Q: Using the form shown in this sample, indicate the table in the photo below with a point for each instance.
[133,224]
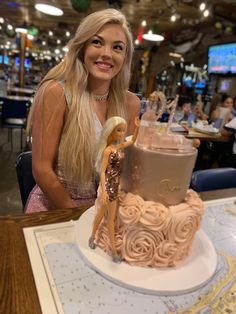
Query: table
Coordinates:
[208,137]
[20,91]
[19,97]
[18,293]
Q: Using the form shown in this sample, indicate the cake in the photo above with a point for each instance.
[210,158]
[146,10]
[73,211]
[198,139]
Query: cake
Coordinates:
[158,215]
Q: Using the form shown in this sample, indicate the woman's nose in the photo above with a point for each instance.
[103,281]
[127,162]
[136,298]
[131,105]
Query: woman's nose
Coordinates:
[107,51]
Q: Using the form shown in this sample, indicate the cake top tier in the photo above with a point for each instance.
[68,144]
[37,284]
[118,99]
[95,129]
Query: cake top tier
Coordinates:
[155,135]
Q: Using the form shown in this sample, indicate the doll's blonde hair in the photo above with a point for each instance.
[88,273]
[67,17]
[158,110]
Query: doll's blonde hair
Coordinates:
[107,130]
[76,149]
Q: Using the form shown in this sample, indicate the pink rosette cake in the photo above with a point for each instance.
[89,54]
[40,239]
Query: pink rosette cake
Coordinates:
[150,234]
[157,216]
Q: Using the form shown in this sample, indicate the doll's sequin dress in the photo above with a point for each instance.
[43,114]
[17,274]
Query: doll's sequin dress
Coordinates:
[113,173]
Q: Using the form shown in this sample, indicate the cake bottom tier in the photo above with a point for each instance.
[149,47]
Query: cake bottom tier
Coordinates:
[149,234]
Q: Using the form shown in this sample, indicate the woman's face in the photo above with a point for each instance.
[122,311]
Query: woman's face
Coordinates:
[105,52]
[228,103]
[118,134]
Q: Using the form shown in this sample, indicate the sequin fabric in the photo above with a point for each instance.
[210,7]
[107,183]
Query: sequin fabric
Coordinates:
[82,195]
[112,174]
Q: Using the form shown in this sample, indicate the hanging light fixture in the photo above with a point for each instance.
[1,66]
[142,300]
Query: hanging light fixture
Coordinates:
[48,9]
[152,36]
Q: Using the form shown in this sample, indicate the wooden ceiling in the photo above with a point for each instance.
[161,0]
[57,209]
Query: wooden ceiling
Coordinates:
[156,12]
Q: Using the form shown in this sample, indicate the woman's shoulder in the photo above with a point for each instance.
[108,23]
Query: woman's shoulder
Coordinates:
[54,87]
[132,103]
[132,98]
[51,92]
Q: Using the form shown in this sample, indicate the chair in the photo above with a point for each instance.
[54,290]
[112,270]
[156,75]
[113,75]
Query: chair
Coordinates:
[213,179]
[24,175]
[14,116]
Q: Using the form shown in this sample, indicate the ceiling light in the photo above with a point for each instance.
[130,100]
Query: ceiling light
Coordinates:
[175,55]
[206,13]
[202,6]
[21,30]
[65,49]
[48,9]
[144,23]
[153,37]
[173,18]
[10,27]
[30,37]
[1,20]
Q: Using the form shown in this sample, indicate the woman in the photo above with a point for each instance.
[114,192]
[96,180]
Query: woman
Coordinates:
[109,165]
[73,102]
[222,113]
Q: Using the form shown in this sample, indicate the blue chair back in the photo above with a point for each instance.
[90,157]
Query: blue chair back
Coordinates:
[24,173]
[12,110]
[213,179]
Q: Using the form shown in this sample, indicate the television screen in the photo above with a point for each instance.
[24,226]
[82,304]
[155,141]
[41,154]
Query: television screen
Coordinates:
[187,81]
[224,85]
[200,84]
[27,62]
[5,60]
[222,58]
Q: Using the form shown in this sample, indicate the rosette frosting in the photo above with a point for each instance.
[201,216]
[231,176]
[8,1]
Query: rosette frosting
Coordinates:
[151,234]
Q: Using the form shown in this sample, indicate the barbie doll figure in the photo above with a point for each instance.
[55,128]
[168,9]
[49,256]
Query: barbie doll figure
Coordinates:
[109,165]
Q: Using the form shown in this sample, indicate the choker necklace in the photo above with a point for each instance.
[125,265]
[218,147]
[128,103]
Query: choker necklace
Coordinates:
[100,97]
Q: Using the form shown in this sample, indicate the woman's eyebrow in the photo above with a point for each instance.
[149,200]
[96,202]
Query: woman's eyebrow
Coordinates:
[115,42]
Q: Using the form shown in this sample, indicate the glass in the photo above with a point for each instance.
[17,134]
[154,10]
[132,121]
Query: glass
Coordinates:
[178,115]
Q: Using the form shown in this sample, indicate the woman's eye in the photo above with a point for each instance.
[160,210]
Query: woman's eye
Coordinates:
[96,42]
[118,47]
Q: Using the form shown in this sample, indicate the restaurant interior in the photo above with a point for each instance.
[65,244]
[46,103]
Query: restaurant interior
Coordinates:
[177,46]
[185,49]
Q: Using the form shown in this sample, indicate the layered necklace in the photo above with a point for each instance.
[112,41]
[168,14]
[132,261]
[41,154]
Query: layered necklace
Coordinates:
[100,97]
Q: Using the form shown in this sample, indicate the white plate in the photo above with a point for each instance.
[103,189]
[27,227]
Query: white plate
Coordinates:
[194,272]
[206,131]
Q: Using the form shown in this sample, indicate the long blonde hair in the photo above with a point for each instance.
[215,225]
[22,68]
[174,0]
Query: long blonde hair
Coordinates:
[107,130]
[76,149]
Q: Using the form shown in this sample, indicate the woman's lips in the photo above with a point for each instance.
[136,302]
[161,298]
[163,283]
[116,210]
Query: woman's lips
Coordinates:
[104,65]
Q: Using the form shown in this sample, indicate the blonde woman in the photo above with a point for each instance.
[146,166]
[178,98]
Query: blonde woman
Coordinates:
[109,165]
[72,103]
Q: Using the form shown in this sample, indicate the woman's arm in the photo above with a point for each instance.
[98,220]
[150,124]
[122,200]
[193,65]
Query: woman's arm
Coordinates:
[47,124]
[133,111]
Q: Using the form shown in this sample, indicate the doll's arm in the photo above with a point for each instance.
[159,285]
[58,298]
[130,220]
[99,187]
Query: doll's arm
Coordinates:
[134,137]
[104,164]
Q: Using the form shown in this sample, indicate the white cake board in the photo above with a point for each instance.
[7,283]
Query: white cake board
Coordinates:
[193,273]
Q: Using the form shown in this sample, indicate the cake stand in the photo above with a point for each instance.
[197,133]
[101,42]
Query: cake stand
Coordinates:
[193,273]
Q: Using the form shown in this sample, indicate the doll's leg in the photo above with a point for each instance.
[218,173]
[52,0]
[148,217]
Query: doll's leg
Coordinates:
[97,220]
[111,230]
